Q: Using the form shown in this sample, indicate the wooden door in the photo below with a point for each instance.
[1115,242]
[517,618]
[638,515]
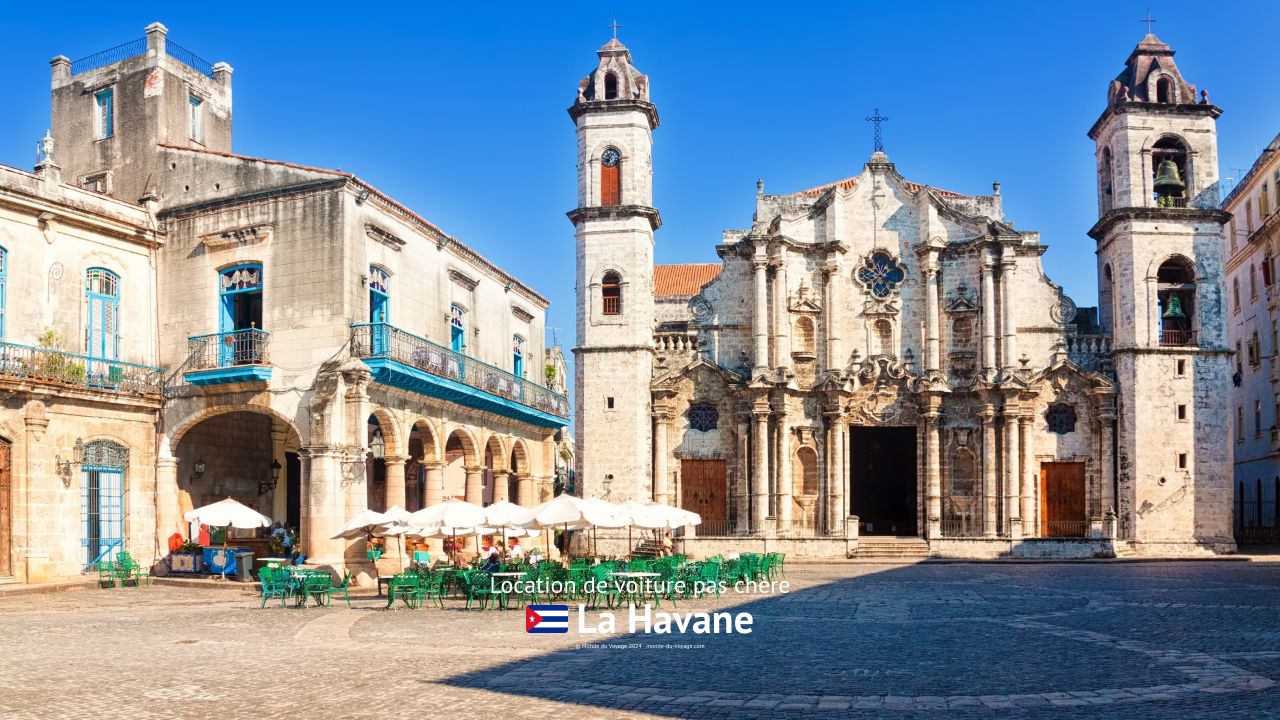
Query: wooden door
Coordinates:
[1062,500]
[6,511]
[704,489]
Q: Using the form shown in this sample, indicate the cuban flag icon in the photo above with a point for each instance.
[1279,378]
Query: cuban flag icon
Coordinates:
[546,619]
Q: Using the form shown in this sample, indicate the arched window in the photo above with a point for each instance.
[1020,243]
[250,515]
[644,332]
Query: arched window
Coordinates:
[610,177]
[610,86]
[517,356]
[457,328]
[102,330]
[804,336]
[379,294]
[1176,291]
[881,274]
[1107,175]
[611,293]
[883,331]
[1170,180]
[102,501]
[1164,90]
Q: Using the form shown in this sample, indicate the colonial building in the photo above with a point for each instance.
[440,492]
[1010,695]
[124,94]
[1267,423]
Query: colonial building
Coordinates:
[77,370]
[1253,241]
[876,356]
[326,348]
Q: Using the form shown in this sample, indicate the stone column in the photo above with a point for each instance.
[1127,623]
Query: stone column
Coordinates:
[394,481]
[1008,266]
[932,359]
[760,319]
[1106,468]
[1013,490]
[742,481]
[434,490]
[525,491]
[280,495]
[501,485]
[661,476]
[473,491]
[759,470]
[830,308]
[989,497]
[783,482]
[781,315]
[989,364]
[1029,483]
[28,500]
[933,470]
[168,519]
[323,505]
[837,511]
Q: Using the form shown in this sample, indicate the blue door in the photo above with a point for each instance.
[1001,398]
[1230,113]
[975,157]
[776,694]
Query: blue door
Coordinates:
[379,309]
[102,327]
[240,319]
[102,502]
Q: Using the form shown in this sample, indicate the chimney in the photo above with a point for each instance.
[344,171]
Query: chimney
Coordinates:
[156,33]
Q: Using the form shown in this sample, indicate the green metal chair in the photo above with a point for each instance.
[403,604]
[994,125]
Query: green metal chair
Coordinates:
[478,587]
[408,586]
[273,585]
[107,573]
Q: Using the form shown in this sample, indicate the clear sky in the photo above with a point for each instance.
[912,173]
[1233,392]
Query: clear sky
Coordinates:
[458,109]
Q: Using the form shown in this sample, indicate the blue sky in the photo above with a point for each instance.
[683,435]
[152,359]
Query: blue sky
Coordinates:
[458,109]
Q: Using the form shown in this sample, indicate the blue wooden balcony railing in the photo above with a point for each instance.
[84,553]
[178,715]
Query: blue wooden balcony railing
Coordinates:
[384,342]
[229,349]
[55,366]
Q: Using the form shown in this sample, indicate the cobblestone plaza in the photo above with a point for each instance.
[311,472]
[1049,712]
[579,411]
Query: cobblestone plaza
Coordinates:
[1133,640]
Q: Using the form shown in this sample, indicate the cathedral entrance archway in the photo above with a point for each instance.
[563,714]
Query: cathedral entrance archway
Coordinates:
[882,479]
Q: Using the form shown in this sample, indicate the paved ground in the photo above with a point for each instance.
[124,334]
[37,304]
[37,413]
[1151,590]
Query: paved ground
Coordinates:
[1165,640]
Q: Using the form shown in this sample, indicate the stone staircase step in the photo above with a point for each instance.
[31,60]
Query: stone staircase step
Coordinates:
[892,548]
[8,580]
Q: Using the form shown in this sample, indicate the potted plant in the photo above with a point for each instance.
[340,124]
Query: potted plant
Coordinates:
[187,558]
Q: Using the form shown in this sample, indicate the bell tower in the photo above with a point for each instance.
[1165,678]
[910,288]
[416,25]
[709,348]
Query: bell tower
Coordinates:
[1161,295]
[614,223]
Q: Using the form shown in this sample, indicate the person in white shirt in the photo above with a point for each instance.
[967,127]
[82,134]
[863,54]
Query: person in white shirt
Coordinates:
[515,552]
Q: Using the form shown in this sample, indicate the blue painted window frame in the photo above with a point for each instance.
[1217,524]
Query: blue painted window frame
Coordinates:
[379,307]
[196,118]
[102,503]
[517,356]
[102,326]
[457,328]
[104,105]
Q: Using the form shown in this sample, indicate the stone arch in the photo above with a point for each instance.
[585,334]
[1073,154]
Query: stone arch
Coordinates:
[805,481]
[495,453]
[519,462]
[805,335]
[1153,270]
[396,446]
[189,422]
[428,443]
[466,441]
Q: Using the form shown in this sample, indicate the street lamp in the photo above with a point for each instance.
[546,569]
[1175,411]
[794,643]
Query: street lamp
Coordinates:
[66,468]
[265,487]
[378,445]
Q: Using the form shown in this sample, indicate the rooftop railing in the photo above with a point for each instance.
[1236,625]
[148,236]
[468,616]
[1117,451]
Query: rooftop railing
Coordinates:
[82,371]
[382,340]
[135,48]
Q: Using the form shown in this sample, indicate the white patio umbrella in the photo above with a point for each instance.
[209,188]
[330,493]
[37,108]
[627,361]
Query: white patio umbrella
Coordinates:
[454,517]
[363,523]
[657,516]
[572,512]
[507,517]
[227,513]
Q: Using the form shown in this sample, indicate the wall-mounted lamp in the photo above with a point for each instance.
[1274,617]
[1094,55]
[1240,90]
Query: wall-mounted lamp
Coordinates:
[67,468]
[361,195]
[265,487]
[198,469]
[378,445]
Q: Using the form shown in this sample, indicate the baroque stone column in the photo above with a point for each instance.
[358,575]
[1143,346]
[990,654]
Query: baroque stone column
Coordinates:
[434,481]
[990,499]
[27,497]
[759,470]
[1013,488]
[760,319]
[782,449]
[394,481]
[933,470]
[168,518]
[1029,489]
[932,331]
[1008,266]
[836,507]
[830,308]
[473,491]
[742,479]
[781,313]
[524,491]
[989,363]
[661,476]
[323,504]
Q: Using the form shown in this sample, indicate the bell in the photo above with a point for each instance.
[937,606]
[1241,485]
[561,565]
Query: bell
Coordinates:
[1174,309]
[1168,181]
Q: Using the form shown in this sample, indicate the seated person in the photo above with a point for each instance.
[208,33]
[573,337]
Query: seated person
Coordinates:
[515,553]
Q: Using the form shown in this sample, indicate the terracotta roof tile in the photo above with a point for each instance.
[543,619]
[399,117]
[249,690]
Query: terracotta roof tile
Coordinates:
[845,184]
[684,280]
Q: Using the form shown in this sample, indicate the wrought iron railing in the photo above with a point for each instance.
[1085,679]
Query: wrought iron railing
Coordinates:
[188,58]
[111,55]
[961,526]
[382,340]
[1066,528]
[1177,337]
[714,528]
[55,366]
[1171,202]
[229,349]
[612,305]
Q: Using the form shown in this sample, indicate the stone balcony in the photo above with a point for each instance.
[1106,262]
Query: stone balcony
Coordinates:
[56,368]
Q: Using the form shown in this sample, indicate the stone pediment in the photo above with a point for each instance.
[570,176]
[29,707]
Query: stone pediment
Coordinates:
[699,371]
[962,301]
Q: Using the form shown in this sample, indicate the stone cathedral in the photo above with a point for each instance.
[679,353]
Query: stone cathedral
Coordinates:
[879,358]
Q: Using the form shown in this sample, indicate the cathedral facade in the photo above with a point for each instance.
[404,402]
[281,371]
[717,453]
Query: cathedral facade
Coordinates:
[879,357]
